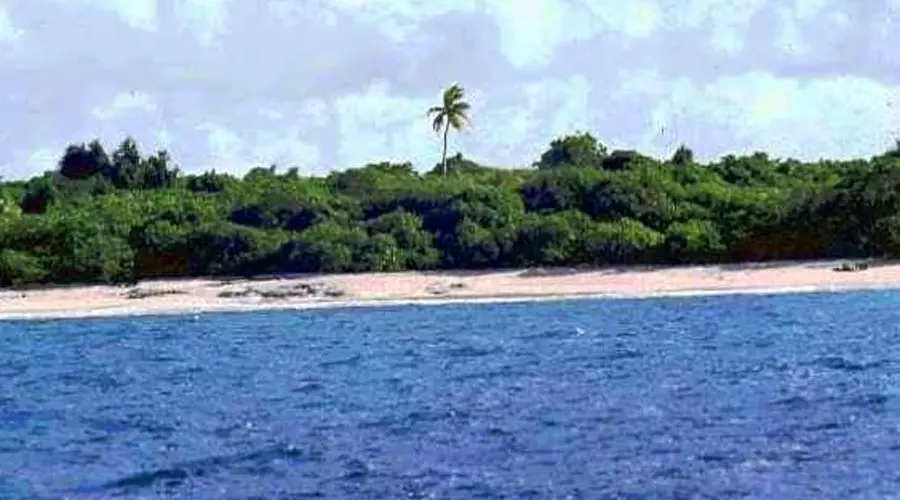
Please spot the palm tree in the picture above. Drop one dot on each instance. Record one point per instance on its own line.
(453, 113)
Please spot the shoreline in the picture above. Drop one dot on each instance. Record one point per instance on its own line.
(194, 296)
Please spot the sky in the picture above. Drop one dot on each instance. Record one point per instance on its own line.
(335, 84)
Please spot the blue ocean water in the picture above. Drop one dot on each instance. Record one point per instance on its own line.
(710, 397)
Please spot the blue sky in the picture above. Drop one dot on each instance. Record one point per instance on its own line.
(324, 84)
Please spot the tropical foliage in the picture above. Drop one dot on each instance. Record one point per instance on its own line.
(453, 112)
(127, 216)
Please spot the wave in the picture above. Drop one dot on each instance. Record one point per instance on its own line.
(180, 473)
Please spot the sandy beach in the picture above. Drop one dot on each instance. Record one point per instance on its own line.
(310, 291)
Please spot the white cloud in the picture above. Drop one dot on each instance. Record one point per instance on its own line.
(280, 105)
(562, 104)
(224, 148)
(515, 133)
(396, 19)
(137, 13)
(728, 20)
(642, 19)
(141, 14)
(696, 13)
(8, 32)
(530, 36)
(288, 12)
(206, 19)
(271, 113)
(830, 117)
(636, 19)
(286, 149)
(33, 161)
(313, 112)
(789, 40)
(163, 138)
(836, 117)
(43, 159)
(316, 111)
(124, 103)
(377, 125)
(229, 151)
(803, 21)
(726, 40)
(806, 9)
(508, 128)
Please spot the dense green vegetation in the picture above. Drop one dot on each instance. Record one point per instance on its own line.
(125, 216)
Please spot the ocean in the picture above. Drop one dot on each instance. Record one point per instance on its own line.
(787, 396)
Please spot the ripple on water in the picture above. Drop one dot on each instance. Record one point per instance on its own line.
(180, 473)
(654, 398)
(341, 362)
(472, 352)
(842, 363)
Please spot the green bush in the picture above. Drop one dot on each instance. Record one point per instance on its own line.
(124, 216)
(625, 241)
(694, 241)
(19, 268)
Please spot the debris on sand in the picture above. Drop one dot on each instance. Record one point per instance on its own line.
(443, 288)
(849, 267)
(294, 291)
(137, 293)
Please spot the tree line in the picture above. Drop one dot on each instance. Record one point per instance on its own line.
(124, 216)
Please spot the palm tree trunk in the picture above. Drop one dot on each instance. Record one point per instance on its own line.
(444, 156)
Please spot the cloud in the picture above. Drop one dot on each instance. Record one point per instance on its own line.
(139, 14)
(827, 117)
(803, 21)
(530, 36)
(123, 103)
(375, 124)
(642, 19)
(206, 19)
(636, 19)
(43, 159)
(287, 149)
(510, 129)
(339, 83)
(514, 130)
(396, 19)
(230, 151)
(224, 147)
(136, 13)
(8, 32)
(836, 117)
(317, 111)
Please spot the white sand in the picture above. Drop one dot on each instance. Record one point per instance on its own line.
(203, 295)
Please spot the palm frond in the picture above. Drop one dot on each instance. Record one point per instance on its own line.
(438, 122)
(453, 113)
(458, 121)
(461, 107)
(453, 95)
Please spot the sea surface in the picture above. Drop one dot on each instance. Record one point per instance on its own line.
(775, 397)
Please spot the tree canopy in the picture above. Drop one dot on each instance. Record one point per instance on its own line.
(126, 215)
